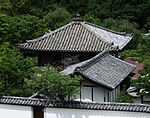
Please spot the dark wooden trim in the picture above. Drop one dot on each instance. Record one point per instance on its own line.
(38, 112)
(92, 93)
(80, 90)
(104, 99)
(95, 83)
(89, 86)
(141, 99)
(104, 95)
(108, 95)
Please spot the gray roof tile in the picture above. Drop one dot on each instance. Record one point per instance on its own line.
(78, 36)
(103, 69)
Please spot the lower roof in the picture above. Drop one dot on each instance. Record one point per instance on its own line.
(103, 69)
(75, 104)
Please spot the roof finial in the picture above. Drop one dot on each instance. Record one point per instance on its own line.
(78, 18)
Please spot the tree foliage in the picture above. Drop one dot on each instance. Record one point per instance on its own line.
(52, 81)
(124, 97)
(22, 20)
(18, 29)
(143, 83)
(57, 18)
(14, 68)
(20, 6)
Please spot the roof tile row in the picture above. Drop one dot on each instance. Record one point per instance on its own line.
(78, 37)
(103, 69)
(75, 104)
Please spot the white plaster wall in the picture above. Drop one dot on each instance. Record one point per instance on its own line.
(98, 94)
(83, 113)
(146, 98)
(15, 111)
(113, 95)
(137, 100)
(86, 93)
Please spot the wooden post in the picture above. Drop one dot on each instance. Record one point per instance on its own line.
(38, 112)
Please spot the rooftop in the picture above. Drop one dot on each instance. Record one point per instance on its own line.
(79, 36)
(75, 104)
(103, 69)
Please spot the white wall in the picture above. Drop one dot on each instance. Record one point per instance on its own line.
(83, 113)
(137, 100)
(98, 94)
(86, 92)
(15, 111)
(146, 100)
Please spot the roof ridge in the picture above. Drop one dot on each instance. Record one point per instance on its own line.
(98, 36)
(134, 107)
(24, 98)
(115, 103)
(91, 61)
(52, 32)
(110, 30)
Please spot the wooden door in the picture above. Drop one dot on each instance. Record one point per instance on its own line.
(38, 112)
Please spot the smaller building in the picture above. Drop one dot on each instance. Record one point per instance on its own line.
(134, 92)
(103, 75)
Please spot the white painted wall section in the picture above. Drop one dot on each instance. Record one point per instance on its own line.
(98, 94)
(15, 111)
(86, 93)
(81, 113)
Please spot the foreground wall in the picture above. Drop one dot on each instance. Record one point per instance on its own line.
(15, 111)
(84, 113)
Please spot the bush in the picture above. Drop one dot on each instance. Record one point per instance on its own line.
(124, 97)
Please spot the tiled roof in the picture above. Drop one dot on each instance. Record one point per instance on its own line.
(75, 104)
(79, 36)
(103, 69)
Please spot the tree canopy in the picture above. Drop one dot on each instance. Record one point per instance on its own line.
(143, 83)
(56, 85)
(18, 29)
(22, 20)
(14, 68)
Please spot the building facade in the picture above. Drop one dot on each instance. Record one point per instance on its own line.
(103, 77)
(75, 42)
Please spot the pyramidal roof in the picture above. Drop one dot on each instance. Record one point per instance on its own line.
(79, 36)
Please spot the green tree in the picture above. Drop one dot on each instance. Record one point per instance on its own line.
(57, 18)
(14, 68)
(143, 83)
(92, 19)
(18, 29)
(124, 97)
(20, 6)
(49, 79)
(5, 6)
